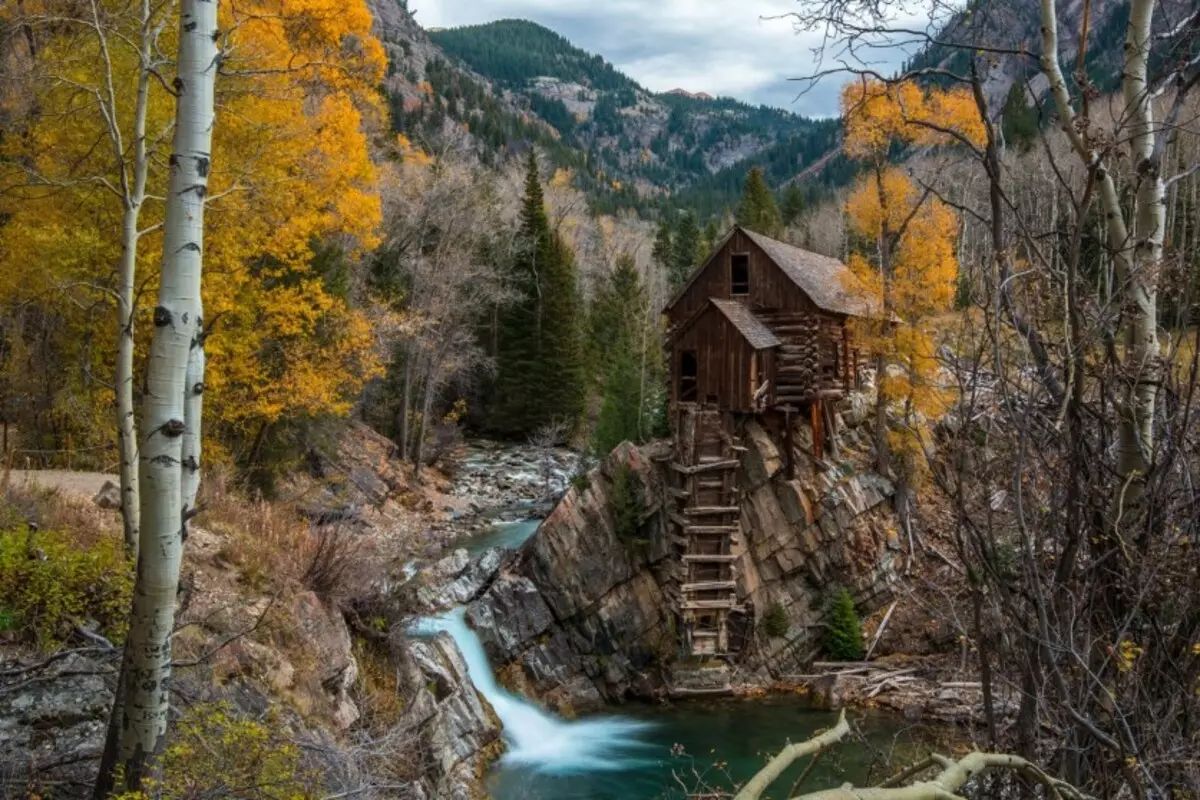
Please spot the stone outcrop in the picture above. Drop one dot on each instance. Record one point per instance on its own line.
(579, 616)
(52, 719)
(583, 615)
(459, 731)
(457, 579)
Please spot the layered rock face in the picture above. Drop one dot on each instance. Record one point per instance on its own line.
(459, 731)
(579, 616)
(582, 615)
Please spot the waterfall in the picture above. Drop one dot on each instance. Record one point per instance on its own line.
(536, 739)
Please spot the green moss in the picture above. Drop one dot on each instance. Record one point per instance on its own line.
(49, 584)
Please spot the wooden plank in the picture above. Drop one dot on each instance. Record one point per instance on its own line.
(715, 466)
(730, 604)
(705, 529)
(703, 511)
(708, 586)
(712, 559)
(681, 494)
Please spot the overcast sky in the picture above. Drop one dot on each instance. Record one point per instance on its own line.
(723, 47)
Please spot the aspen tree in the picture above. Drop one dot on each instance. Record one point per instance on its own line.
(170, 422)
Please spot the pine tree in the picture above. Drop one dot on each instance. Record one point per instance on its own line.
(757, 210)
(1018, 120)
(843, 634)
(685, 252)
(793, 203)
(540, 358)
(624, 340)
(663, 245)
(711, 235)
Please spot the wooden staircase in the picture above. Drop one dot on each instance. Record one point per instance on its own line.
(705, 527)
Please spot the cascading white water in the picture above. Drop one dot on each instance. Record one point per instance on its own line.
(538, 740)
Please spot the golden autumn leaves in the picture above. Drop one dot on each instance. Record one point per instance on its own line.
(906, 254)
(292, 196)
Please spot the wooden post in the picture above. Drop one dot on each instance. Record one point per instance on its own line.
(789, 450)
(845, 358)
(817, 428)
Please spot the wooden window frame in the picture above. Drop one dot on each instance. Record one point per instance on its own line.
(739, 288)
(694, 395)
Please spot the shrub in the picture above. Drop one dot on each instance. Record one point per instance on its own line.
(624, 504)
(49, 583)
(843, 632)
(212, 752)
(774, 621)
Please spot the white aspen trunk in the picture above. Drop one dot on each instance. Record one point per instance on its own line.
(193, 406)
(126, 303)
(1135, 257)
(1149, 228)
(147, 666)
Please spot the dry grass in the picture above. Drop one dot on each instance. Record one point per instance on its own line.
(49, 509)
(378, 685)
(273, 545)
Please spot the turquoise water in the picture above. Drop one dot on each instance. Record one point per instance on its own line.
(510, 535)
(723, 744)
(639, 752)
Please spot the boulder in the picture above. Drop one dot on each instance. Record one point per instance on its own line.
(458, 579)
(53, 718)
(109, 496)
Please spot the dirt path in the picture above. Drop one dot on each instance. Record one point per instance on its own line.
(83, 484)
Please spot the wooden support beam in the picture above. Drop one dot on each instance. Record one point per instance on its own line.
(714, 466)
(708, 586)
(703, 529)
(730, 604)
(704, 511)
(713, 559)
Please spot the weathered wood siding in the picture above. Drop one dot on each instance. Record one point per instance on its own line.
(770, 288)
(726, 363)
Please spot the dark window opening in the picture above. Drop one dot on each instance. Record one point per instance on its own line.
(712, 399)
(688, 369)
(739, 274)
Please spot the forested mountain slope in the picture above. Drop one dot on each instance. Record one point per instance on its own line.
(507, 84)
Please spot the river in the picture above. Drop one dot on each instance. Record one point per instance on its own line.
(645, 752)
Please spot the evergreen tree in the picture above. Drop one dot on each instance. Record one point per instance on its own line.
(685, 252)
(757, 210)
(627, 357)
(843, 633)
(711, 236)
(539, 359)
(663, 245)
(793, 203)
(1018, 119)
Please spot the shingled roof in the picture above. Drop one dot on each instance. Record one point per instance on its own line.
(828, 282)
(757, 334)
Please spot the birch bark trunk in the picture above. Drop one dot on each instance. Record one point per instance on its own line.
(1136, 254)
(146, 668)
(135, 196)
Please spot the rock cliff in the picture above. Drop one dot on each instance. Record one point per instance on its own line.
(583, 615)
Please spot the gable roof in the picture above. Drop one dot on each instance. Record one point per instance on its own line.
(827, 281)
(751, 327)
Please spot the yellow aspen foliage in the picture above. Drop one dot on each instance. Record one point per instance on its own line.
(877, 114)
(924, 272)
(293, 201)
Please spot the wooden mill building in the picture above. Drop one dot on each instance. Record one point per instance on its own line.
(761, 328)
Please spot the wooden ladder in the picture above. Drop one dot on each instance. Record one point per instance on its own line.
(705, 527)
